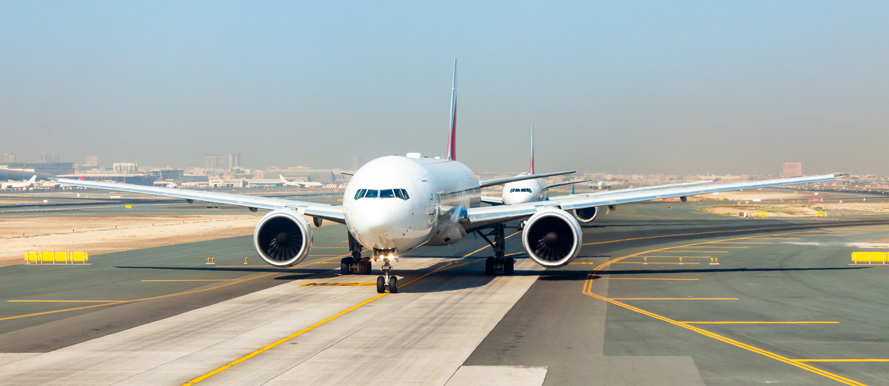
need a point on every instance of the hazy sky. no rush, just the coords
(642, 87)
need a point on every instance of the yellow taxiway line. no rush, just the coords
(763, 322)
(355, 307)
(587, 290)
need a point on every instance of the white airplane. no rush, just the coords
(19, 185)
(395, 204)
(47, 185)
(297, 183)
(523, 191)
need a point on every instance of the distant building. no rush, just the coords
(91, 161)
(213, 162)
(234, 160)
(792, 169)
(125, 167)
(50, 157)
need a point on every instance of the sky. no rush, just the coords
(721, 87)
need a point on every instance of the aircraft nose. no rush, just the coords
(372, 223)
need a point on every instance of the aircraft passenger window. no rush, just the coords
(387, 193)
(360, 193)
(371, 193)
(404, 195)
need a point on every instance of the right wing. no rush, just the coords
(639, 189)
(475, 218)
(325, 211)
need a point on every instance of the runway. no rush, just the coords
(781, 306)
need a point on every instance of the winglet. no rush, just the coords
(532, 148)
(452, 135)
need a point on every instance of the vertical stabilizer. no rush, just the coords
(452, 135)
(532, 148)
(33, 178)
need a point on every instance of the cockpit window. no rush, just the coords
(385, 193)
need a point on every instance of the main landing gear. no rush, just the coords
(356, 263)
(387, 281)
(499, 262)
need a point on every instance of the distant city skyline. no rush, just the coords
(644, 87)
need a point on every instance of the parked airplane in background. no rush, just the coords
(297, 183)
(20, 185)
(395, 204)
(48, 185)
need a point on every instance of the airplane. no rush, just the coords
(520, 192)
(394, 204)
(48, 185)
(19, 185)
(297, 183)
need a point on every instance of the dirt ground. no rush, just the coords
(106, 234)
(801, 210)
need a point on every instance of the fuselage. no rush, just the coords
(520, 192)
(399, 203)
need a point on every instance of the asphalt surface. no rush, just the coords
(782, 306)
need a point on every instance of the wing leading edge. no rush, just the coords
(478, 217)
(325, 211)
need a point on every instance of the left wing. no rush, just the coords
(482, 216)
(325, 211)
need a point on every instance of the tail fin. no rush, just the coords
(532, 148)
(452, 135)
(33, 178)
(284, 180)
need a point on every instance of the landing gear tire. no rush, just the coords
(346, 266)
(393, 285)
(490, 268)
(509, 266)
(381, 285)
(364, 267)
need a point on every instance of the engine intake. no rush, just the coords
(283, 238)
(586, 215)
(552, 238)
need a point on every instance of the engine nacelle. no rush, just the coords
(552, 238)
(586, 215)
(283, 238)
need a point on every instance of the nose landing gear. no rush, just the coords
(386, 281)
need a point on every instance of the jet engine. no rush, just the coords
(586, 215)
(283, 238)
(552, 238)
